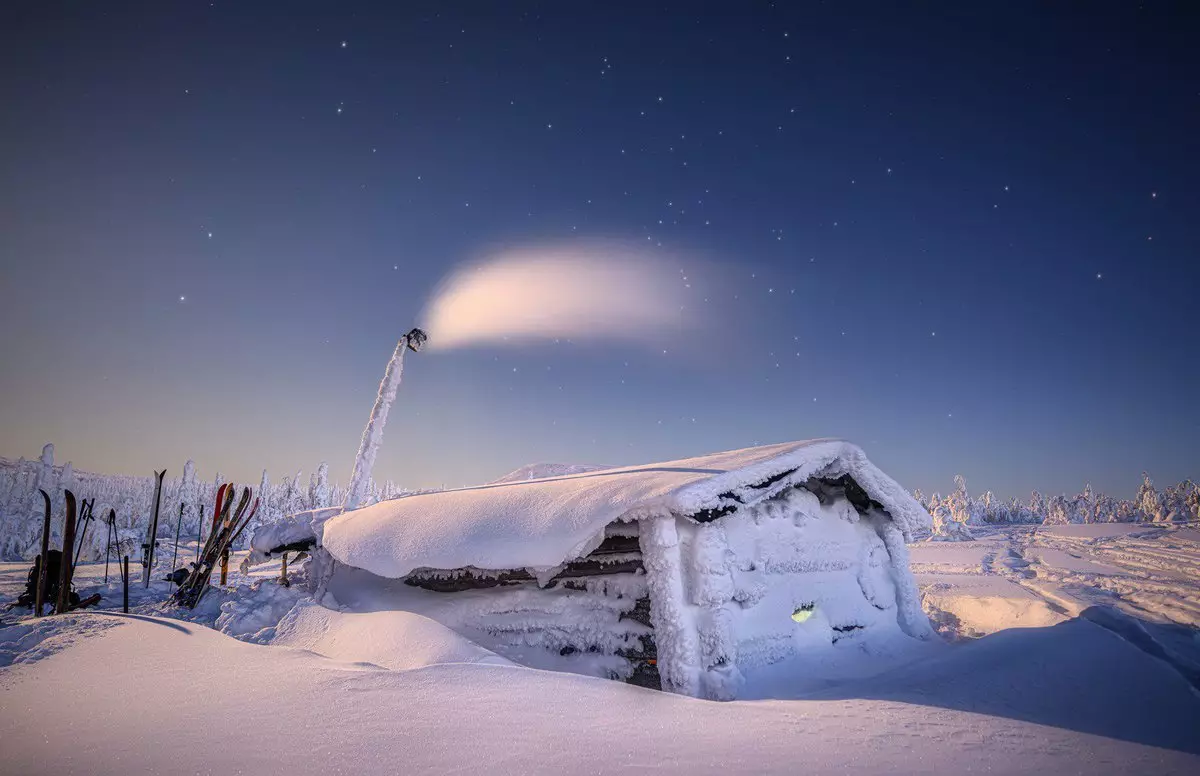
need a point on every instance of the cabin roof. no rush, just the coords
(541, 523)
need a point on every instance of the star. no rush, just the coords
(183, 298)
(1099, 276)
(1154, 195)
(343, 44)
(210, 235)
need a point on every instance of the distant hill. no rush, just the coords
(537, 471)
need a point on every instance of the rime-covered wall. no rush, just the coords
(590, 616)
(746, 575)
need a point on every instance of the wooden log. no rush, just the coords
(300, 546)
(613, 545)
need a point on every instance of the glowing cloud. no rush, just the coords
(594, 292)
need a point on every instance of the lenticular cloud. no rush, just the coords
(595, 293)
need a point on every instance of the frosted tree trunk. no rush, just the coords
(372, 437)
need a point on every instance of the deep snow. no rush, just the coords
(1076, 671)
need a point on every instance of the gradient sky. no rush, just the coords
(964, 235)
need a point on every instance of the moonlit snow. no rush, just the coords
(1061, 649)
(1020, 689)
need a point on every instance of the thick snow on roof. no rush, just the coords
(542, 523)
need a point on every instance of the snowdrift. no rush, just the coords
(1029, 701)
(395, 640)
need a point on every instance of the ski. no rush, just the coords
(40, 595)
(182, 594)
(64, 579)
(236, 528)
(152, 532)
(224, 532)
(236, 518)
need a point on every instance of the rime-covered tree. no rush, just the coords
(1148, 501)
(319, 490)
(189, 496)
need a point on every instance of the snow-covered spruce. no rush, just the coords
(691, 575)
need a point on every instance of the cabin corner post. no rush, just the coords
(678, 650)
(911, 617)
(712, 589)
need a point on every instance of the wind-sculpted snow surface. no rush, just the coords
(541, 523)
(396, 640)
(1032, 701)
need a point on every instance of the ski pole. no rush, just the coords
(111, 522)
(85, 518)
(178, 523)
(125, 583)
(199, 534)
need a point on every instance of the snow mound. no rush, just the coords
(395, 640)
(1028, 701)
(541, 523)
(539, 471)
(975, 606)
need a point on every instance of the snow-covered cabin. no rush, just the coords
(687, 575)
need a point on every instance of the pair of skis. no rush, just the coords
(62, 601)
(227, 525)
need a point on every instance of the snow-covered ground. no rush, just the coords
(1070, 648)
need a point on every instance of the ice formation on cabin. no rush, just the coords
(686, 575)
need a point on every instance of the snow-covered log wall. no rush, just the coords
(589, 616)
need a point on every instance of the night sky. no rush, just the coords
(965, 236)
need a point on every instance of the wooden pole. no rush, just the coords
(125, 583)
(283, 580)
